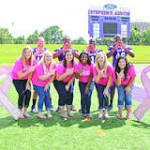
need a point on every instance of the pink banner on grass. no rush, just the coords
(4, 100)
(144, 96)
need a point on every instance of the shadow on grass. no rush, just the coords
(7, 122)
(113, 122)
(140, 124)
(106, 124)
(35, 121)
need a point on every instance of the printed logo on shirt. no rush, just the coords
(46, 71)
(103, 74)
(85, 73)
(26, 68)
(38, 57)
(120, 52)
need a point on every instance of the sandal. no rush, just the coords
(88, 117)
(49, 116)
(63, 116)
(120, 117)
(100, 116)
(70, 115)
(21, 117)
(128, 116)
(82, 116)
(41, 116)
(107, 116)
(27, 115)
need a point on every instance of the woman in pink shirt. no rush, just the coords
(124, 76)
(38, 54)
(103, 79)
(84, 72)
(20, 74)
(43, 75)
(65, 74)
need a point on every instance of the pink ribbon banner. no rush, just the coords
(4, 99)
(142, 95)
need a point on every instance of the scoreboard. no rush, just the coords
(109, 21)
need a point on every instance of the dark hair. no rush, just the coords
(65, 61)
(92, 41)
(66, 38)
(117, 68)
(117, 37)
(88, 56)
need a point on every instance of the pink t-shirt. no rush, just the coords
(18, 67)
(39, 71)
(61, 70)
(87, 70)
(130, 74)
(104, 78)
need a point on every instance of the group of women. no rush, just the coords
(89, 73)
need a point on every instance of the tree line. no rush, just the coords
(54, 35)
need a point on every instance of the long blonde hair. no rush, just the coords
(105, 61)
(44, 62)
(23, 56)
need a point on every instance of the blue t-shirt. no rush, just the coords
(61, 56)
(93, 54)
(39, 56)
(118, 52)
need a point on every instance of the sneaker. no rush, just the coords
(100, 116)
(33, 108)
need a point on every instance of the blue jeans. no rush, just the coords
(103, 100)
(65, 97)
(85, 98)
(43, 97)
(124, 96)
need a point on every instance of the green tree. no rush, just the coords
(5, 36)
(52, 35)
(146, 37)
(104, 41)
(135, 36)
(31, 39)
(79, 41)
(19, 40)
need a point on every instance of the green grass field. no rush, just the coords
(73, 133)
(10, 52)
